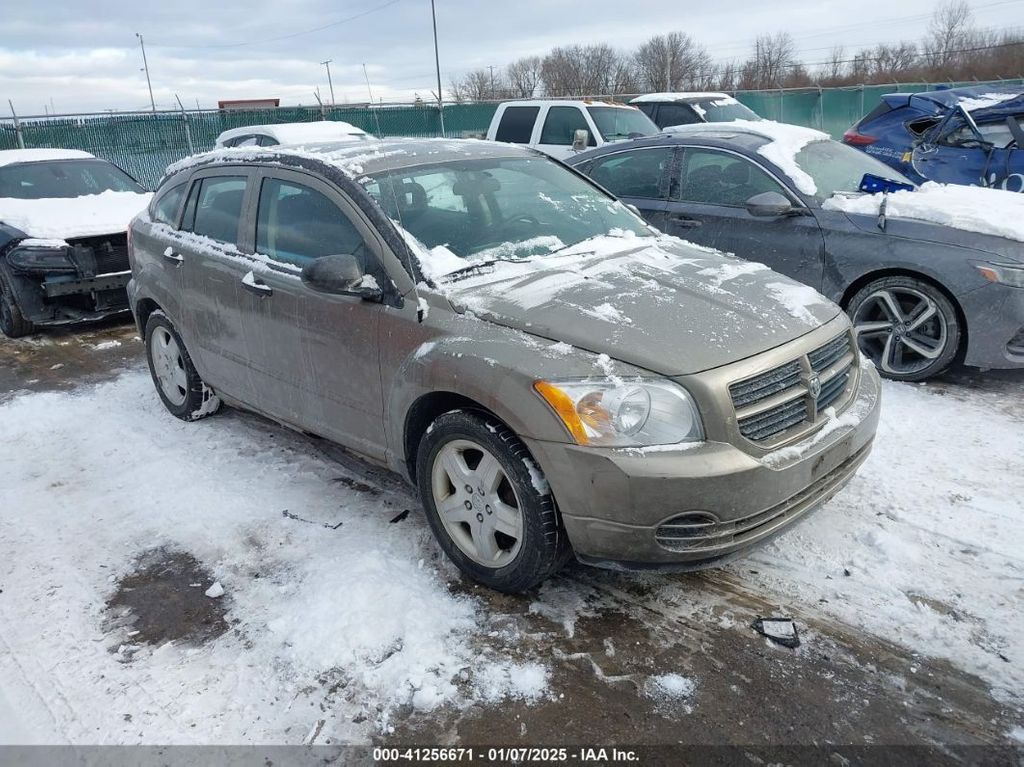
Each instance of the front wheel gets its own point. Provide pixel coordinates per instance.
(177, 381)
(488, 503)
(906, 326)
(12, 322)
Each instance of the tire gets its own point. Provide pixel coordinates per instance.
(480, 506)
(12, 323)
(906, 326)
(175, 377)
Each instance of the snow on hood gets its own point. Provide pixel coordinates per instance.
(784, 143)
(655, 302)
(970, 208)
(985, 100)
(11, 156)
(63, 218)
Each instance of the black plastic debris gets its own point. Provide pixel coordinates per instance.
(400, 516)
(780, 630)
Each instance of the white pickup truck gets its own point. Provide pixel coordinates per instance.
(560, 128)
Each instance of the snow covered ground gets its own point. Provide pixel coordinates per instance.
(341, 617)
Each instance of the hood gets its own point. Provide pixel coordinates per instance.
(658, 303)
(65, 218)
(972, 217)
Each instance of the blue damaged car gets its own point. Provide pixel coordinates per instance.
(969, 136)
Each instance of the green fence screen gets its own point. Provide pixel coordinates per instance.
(146, 143)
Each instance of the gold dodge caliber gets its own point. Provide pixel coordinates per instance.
(554, 376)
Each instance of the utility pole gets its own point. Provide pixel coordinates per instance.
(145, 67)
(330, 83)
(437, 65)
(492, 81)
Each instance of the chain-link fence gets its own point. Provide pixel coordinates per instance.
(144, 143)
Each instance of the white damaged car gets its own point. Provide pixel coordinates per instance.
(63, 238)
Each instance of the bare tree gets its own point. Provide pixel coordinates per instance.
(585, 70)
(672, 62)
(951, 31)
(523, 76)
(774, 57)
(479, 85)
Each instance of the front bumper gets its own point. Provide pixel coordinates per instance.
(49, 299)
(621, 508)
(995, 326)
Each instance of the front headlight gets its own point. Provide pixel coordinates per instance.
(1006, 274)
(41, 259)
(609, 412)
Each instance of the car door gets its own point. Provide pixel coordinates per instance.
(315, 356)
(212, 268)
(707, 205)
(558, 130)
(638, 177)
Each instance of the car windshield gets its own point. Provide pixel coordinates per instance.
(616, 123)
(723, 110)
(63, 178)
(836, 167)
(499, 208)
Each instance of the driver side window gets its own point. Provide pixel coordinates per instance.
(296, 224)
(720, 178)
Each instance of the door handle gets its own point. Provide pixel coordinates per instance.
(685, 223)
(170, 255)
(259, 288)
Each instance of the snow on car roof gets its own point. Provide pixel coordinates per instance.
(12, 156)
(986, 100)
(970, 208)
(784, 143)
(565, 102)
(358, 159)
(298, 133)
(679, 96)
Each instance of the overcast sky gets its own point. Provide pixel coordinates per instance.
(84, 55)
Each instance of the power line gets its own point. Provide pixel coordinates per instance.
(290, 36)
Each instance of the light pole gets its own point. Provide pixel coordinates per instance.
(145, 66)
(437, 64)
(329, 81)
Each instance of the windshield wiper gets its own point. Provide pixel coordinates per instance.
(478, 265)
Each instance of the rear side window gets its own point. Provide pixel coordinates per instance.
(215, 207)
(296, 224)
(561, 124)
(717, 178)
(167, 206)
(516, 125)
(633, 174)
(882, 109)
(676, 114)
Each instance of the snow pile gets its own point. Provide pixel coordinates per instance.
(336, 614)
(672, 686)
(56, 218)
(784, 144)
(971, 208)
(923, 546)
(985, 100)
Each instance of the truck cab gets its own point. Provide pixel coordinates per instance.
(560, 128)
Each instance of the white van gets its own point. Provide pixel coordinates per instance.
(557, 128)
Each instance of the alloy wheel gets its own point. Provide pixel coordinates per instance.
(477, 503)
(901, 329)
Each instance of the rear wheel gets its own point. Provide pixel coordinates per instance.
(906, 326)
(12, 323)
(488, 504)
(177, 382)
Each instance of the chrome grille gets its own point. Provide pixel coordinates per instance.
(771, 404)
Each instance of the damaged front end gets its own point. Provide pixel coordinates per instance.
(56, 282)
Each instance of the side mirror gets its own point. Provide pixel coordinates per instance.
(769, 205)
(580, 139)
(340, 275)
(634, 209)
